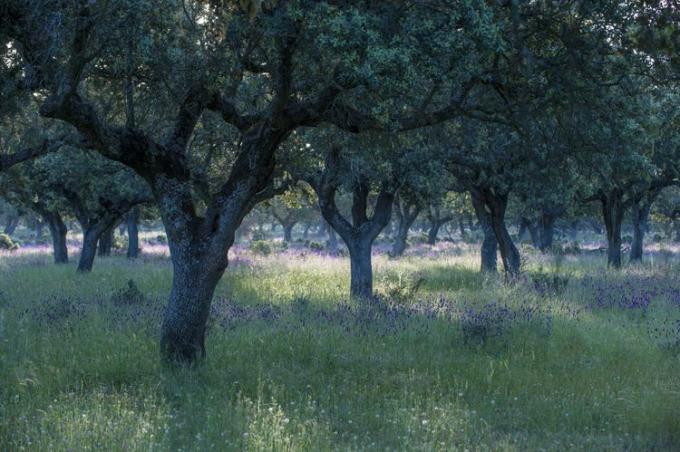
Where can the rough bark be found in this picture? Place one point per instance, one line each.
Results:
(361, 269)
(88, 249)
(132, 222)
(489, 250)
(613, 209)
(58, 233)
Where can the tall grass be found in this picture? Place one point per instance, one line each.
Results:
(293, 365)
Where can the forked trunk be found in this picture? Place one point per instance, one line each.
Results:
(489, 250)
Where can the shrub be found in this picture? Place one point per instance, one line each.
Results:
(128, 296)
(260, 247)
(6, 243)
(119, 242)
(316, 246)
(258, 235)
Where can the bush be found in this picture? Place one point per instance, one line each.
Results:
(128, 296)
(316, 246)
(119, 242)
(6, 243)
(260, 247)
(258, 235)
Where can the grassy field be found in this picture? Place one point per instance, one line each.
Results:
(462, 362)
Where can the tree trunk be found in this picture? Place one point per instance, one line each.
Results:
(361, 284)
(489, 251)
(461, 228)
(400, 238)
(640, 215)
(106, 242)
(433, 232)
(89, 249)
(38, 229)
(534, 233)
(496, 205)
(288, 232)
(196, 273)
(12, 223)
(58, 232)
(612, 212)
(332, 240)
(522, 230)
(305, 231)
(132, 221)
(547, 231)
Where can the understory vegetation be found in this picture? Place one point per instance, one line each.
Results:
(443, 358)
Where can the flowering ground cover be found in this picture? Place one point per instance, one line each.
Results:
(572, 356)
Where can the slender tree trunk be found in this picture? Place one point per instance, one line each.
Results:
(58, 233)
(132, 222)
(106, 242)
(612, 212)
(640, 215)
(12, 223)
(489, 250)
(305, 231)
(361, 284)
(433, 232)
(547, 231)
(461, 228)
(522, 230)
(535, 234)
(89, 249)
(38, 229)
(332, 239)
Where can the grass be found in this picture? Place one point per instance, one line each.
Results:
(292, 365)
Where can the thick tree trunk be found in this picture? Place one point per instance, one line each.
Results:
(58, 232)
(12, 223)
(106, 242)
(132, 222)
(89, 249)
(288, 232)
(195, 277)
(489, 251)
(361, 283)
